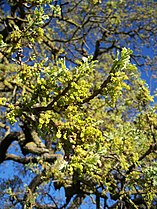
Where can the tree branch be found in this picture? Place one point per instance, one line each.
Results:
(6, 142)
(152, 148)
(25, 160)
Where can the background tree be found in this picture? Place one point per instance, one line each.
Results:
(75, 115)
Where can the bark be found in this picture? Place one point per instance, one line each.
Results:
(6, 142)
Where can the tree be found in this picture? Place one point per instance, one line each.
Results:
(73, 100)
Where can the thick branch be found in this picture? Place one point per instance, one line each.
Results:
(36, 181)
(29, 143)
(25, 160)
(6, 142)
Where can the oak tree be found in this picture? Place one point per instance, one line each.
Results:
(77, 121)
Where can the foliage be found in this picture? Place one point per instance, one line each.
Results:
(83, 125)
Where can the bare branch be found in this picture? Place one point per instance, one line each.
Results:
(6, 142)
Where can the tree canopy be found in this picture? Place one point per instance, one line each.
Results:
(78, 123)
